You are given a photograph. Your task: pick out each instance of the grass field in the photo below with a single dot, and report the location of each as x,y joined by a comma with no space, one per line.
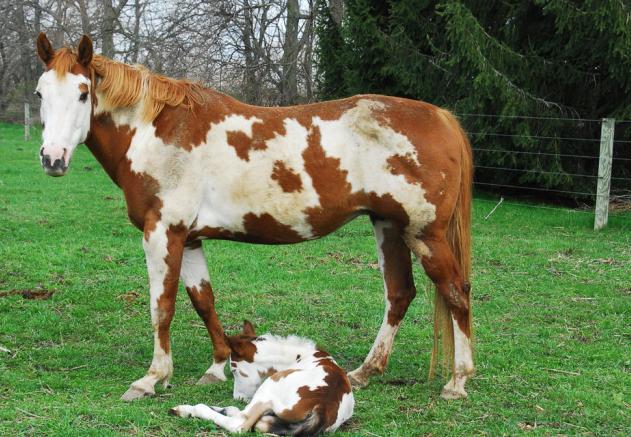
552,306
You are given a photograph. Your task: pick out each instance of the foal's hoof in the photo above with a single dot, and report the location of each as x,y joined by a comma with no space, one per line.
136,393
180,411
357,378
209,378
450,393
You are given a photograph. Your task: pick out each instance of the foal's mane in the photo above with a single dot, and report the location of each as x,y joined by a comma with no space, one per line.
124,85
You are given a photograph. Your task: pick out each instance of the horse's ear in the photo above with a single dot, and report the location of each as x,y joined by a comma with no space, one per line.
248,328
44,48
84,51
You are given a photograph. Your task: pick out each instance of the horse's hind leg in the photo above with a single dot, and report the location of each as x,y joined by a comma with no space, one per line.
194,274
396,267
441,266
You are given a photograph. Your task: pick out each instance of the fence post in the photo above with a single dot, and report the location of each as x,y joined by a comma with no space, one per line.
27,121
604,173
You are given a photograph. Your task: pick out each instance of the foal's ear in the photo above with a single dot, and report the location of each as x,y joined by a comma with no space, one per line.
248,328
44,48
84,51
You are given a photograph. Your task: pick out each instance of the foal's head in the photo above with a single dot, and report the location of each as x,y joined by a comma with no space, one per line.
64,91
253,358
248,373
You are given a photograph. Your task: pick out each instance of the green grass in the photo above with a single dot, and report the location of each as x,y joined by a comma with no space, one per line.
552,306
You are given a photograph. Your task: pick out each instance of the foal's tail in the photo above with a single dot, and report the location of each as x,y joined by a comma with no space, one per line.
312,424
459,239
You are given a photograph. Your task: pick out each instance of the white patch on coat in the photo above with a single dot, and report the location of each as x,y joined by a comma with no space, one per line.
463,361
363,147
344,413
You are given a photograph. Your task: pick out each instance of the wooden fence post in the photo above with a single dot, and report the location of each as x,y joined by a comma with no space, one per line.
604,173
27,121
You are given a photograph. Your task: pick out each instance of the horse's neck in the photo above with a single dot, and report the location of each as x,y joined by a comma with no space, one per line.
109,142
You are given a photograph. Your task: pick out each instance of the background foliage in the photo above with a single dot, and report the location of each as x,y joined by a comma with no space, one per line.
542,58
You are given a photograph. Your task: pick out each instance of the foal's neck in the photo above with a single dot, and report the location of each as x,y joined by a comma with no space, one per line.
285,351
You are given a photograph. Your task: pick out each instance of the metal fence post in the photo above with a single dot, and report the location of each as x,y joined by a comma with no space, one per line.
27,121
604,173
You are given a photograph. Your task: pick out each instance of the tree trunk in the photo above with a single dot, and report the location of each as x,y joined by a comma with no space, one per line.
289,81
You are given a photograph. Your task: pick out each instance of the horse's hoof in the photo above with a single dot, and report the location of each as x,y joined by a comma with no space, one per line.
135,393
209,378
449,394
357,379
173,412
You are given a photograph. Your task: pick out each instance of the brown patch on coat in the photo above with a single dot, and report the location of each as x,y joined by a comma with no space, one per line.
288,180
323,401
277,376
397,274
263,374
83,88
321,354
187,127
265,226
405,166
203,301
241,143
109,143
166,301
242,347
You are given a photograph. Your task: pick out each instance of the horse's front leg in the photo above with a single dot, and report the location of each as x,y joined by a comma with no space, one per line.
197,282
163,247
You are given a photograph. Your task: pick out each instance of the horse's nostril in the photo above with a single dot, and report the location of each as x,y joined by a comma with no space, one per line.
41,152
46,161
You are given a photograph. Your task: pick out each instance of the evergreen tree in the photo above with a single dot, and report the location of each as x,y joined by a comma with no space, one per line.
542,58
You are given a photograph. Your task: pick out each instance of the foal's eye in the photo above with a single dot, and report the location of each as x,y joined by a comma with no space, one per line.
38,94
83,97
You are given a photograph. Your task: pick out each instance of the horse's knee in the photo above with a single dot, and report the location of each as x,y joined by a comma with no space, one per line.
399,303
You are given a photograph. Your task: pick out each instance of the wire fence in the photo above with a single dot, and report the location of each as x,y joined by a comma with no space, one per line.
546,160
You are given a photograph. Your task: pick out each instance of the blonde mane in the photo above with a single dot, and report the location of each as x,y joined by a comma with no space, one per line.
124,86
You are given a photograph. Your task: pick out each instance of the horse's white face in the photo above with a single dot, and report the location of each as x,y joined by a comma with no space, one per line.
65,113
66,104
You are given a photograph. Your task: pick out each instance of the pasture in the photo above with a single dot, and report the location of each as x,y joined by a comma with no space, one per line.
552,301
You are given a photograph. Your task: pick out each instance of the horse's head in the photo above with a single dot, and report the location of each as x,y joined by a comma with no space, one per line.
248,373
64,91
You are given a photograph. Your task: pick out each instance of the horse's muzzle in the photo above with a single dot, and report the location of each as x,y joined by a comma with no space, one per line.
58,167
54,165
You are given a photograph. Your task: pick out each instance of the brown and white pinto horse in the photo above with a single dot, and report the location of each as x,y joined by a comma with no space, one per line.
292,387
196,164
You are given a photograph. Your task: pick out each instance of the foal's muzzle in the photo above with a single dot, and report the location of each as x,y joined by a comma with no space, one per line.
54,165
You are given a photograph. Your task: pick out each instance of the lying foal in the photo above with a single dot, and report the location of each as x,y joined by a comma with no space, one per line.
293,387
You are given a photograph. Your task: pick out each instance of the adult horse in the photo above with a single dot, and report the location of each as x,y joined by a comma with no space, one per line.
196,164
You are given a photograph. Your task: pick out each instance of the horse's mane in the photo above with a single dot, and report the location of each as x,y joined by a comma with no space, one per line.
291,340
124,85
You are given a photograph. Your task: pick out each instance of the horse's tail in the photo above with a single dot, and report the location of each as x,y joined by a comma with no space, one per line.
459,239
312,424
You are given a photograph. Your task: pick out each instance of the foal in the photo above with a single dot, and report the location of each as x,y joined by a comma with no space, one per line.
293,387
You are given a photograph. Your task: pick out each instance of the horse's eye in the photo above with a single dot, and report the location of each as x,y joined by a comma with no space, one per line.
83,97
38,94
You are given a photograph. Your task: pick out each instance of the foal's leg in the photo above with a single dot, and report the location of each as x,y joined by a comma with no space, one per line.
441,266
163,251
396,267
244,421
197,282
